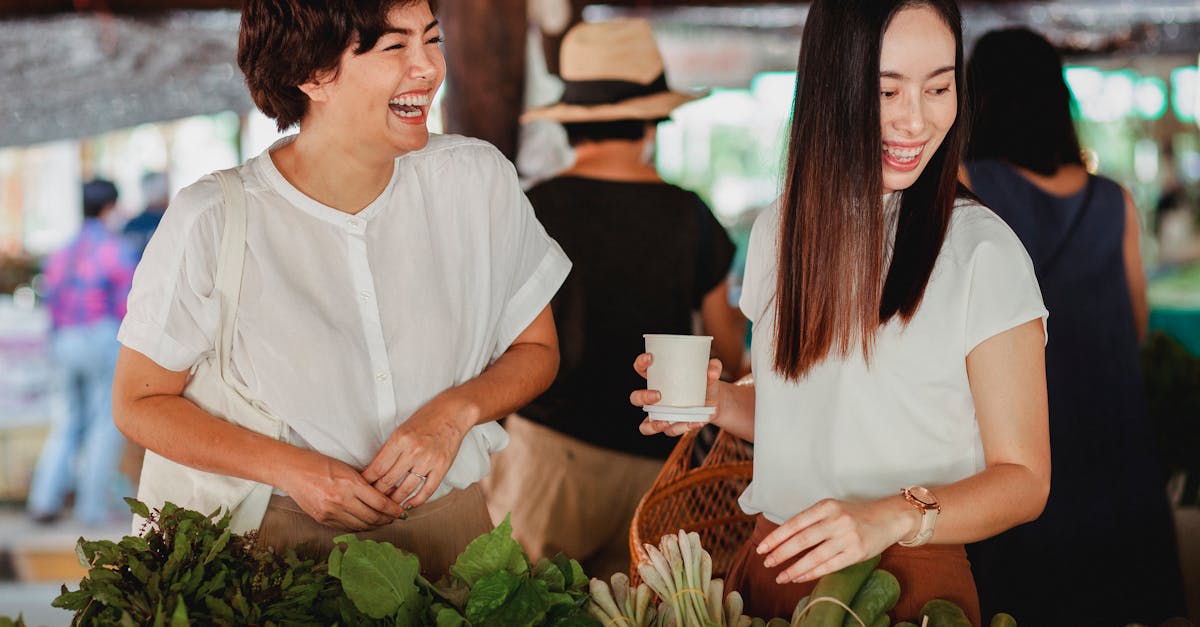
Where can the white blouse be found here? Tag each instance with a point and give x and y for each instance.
(856, 431)
(349, 323)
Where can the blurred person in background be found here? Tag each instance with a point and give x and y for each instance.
(898, 403)
(394, 301)
(1107, 531)
(86, 285)
(646, 256)
(156, 194)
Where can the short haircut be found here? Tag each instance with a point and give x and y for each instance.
(583, 132)
(283, 44)
(1021, 104)
(98, 194)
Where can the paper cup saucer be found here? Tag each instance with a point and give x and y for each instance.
(679, 414)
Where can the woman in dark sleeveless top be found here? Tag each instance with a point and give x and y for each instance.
(1103, 552)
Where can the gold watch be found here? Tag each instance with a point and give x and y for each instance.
(926, 503)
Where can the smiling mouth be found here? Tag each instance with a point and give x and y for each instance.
(903, 156)
(409, 105)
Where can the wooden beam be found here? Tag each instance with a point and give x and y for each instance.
(485, 69)
(32, 7)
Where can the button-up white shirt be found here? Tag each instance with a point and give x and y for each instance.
(349, 323)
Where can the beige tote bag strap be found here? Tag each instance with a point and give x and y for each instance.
(229, 265)
(249, 513)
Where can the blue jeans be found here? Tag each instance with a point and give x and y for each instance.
(84, 447)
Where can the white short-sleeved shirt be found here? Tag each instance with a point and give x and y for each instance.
(349, 323)
(853, 431)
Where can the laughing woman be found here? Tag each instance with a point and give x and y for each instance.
(899, 396)
(321, 339)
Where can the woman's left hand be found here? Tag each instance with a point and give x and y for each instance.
(415, 459)
(835, 535)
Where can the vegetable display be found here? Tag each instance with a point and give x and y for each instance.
(190, 569)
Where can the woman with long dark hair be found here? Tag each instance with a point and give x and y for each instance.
(1107, 527)
(898, 403)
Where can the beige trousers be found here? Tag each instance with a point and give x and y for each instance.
(435, 532)
(566, 495)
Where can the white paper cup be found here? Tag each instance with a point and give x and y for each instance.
(680, 368)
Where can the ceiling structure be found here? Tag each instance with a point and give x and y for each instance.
(73, 68)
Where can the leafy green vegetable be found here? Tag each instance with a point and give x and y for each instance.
(189, 569)
(491, 552)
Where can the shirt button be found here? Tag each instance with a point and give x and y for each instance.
(353, 223)
(382, 376)
(364, 295)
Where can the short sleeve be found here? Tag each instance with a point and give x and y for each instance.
(172, 311)
(758, 282)
(530, 266)
(716, 252)
(1002, 290)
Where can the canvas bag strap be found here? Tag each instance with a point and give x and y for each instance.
(229, 266)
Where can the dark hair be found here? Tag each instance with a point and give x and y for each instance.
(98, 194)
(831, 243)
(283, 44)
(582, 132)
(1020, 103)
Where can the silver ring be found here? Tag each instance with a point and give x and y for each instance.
(423, 477)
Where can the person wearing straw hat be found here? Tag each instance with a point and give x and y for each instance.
(646, 255)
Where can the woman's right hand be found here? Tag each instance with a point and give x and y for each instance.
(337, 495)
(641, 398)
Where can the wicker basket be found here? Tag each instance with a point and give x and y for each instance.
(700, 498)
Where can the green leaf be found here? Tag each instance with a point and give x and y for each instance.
(489, 553)
(219, 608)
(449, 617)
(378, 577)
(489, 594)
(218, 546)
(137, 507)
(546, 571)
(524, 606)
(68, 600)
(180, 617)
(573, 574)
(569, 616)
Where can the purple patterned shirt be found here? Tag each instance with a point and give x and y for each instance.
(89, 280)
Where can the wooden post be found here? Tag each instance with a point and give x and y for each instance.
(485, 69)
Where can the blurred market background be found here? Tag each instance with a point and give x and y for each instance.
(119, 88)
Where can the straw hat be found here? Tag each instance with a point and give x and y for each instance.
(611, 71)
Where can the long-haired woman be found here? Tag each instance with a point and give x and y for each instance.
(899, 399)
(1081, 231)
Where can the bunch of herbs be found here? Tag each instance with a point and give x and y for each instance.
(188, 568)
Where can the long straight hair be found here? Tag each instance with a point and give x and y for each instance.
(831, 293)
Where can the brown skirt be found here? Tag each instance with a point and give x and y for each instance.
(933, 571)
(435, 532)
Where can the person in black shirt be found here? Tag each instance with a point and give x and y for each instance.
(647, 256)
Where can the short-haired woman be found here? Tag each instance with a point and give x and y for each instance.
(392, 300)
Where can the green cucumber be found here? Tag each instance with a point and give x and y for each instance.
(877, 595)
(882, 621)
(842, 585)
(1003, 620)
(943, 613)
